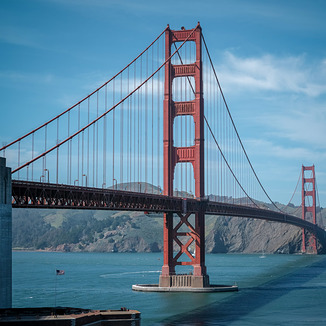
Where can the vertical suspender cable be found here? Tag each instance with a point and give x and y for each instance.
(94, 162)
(138, 135)
(78, 144)
(158, 119)
(121, 132)
(215, 157)
(136, 141)
(104, 185)
(139, 131)
(19, 157)
(45, 146)
(57, 167)
(212, 156)
(129, 132)
(82, 159)
(146, 123)
(93, 165)
(87, 169)
(68, 150)
(207, 112)
(97, 149)
(33, 156)
(70, 161)
(113, 134)
(152, 138)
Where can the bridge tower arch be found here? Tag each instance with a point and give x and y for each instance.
(195, 155)
(309, 208)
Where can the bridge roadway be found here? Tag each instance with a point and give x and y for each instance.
(28, 194)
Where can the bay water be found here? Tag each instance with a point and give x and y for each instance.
(273, 290)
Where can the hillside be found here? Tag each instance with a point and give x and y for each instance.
(110, 231)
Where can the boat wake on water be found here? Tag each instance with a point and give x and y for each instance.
(127, 273)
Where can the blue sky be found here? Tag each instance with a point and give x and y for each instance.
(270, 57)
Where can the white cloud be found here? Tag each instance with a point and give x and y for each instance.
(288, 97)
(268, 148)
(270, 73)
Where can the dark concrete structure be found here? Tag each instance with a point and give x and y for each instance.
(66, 316)
(5, 236)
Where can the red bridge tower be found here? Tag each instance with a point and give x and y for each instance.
(309, 212)
(193, 154)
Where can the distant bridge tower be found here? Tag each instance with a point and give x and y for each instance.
(309, 207)
(193, 154)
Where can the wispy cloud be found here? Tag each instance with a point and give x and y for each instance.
(305, 125)
(21, 36)
(270, 149)
(128, 5)
(271, 73)
(23, 77)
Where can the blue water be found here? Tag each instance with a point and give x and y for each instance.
(276, 290)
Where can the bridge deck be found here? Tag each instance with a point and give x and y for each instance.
(28, 194)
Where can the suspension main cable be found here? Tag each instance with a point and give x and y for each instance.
(320, 214)
(108, 111)
(85, 98)
(296, 210)
(295, 190)
(226, 162)
(235, 129)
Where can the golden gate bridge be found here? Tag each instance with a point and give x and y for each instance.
(156, 137)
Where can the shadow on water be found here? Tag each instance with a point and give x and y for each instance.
(241, 304)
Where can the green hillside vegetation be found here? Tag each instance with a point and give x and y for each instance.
(41, 229)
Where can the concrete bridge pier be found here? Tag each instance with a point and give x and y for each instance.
(5, 236)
